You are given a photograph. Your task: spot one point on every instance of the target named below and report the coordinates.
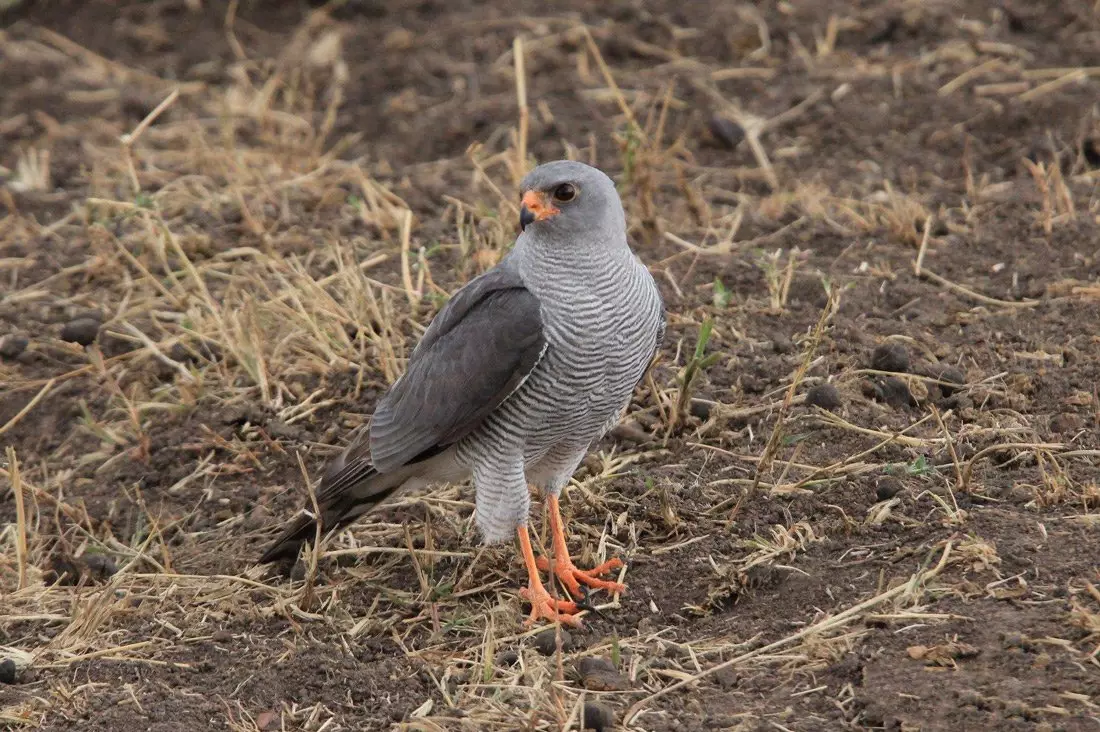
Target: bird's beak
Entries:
(536, 207)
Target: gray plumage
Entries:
(517, 376)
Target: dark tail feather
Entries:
(347, 500)
(290, 543)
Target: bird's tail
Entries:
(341, 502)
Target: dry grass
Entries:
(282, 330)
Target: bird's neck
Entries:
(564, 256)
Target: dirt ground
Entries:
(869, 500)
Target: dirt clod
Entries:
(599, 674)
(598, 716)
(887, 487)
(890, 356)
(951, 376)
(545, 642)
(12, 345)
(82, 331)
(728, 133)
(895, 392)
(825, 396)
(8, 671)
(1066, 423)
(507, 657)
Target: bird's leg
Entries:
(564, 568)
(542, 605)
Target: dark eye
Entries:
(565, 193)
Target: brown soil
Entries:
(244, 257)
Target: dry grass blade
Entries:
(774, 440)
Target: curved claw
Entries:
(545, 607)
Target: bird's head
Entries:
(567, 197)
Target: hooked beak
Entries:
(536, 207)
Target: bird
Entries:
(516, 378)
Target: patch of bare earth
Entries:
(859, 489)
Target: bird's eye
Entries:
(565, 193)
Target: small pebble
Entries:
(825, 396)
(890, 356)
(507, 657)
(727, 678)
(298, 571)
(728, 133)
(599, 674)
(100, 566)
(1066, 422)
(887, 487)
(546, 643)
(782, 343)
(895, 392)
(951, 375)
(82, 331)
(595, 664)
(598, 716)
(12, 345)
(63, 571)
(7, 671)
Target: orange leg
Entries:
(564, 568)
(542, 605)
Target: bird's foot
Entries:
(572, 577)
(544, 607)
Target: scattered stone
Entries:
(12, 345)
(598, 716)
(1066, 423)
(890, 356)
(887, 487)
(824, 395)
(895, 392)
(82, 331)
(8, 671)
(599, 674)
(727, 678)
(1091, 151)
(701, 409)
(62, 571)
(782, 343)
(279, 429)
(952, 375)
(507, 657)
(728, 133)
(99, 567)
(546, 642)
(257, 518)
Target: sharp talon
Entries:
(584, 603)
(544, 607)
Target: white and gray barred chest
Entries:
(601, 332)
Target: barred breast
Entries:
(602, 321)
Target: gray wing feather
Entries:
(476, 352)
